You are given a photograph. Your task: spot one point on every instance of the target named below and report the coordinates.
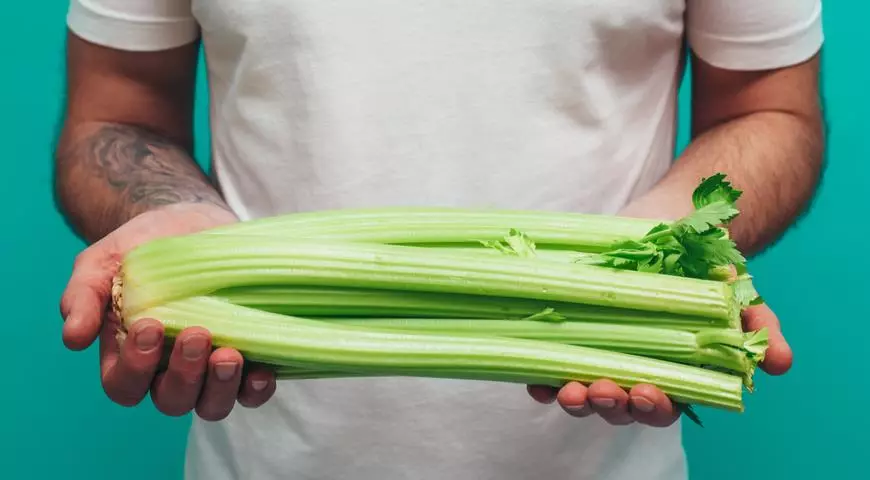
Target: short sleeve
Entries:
(754, 34)
(136, 25)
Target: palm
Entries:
(196, 378)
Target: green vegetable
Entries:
(427, 226)
(692, 246)
(178, 267)
(362, 302)
(319, 345)
(729, 349)
(515, 296)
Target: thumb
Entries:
(778, 359)
(86, 297)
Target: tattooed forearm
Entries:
(111, 173)
(145, 169)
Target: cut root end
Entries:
(118, 296)
(118, 306)
(121, 335)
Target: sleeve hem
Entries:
(142, 35)
(765, 52)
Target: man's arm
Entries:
(764, 130)
(126, 142)
(125, 176)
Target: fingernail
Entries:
(225, 370)
(604, 402)
(576, 409)
(147, 338)
(259, 385)
(643, 404)
(194, 347)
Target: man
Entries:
(533, 104)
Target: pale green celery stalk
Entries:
(317, 345)
(729, 349)
(359, 302)
(433, 226)
(168, 269)
(741, 361)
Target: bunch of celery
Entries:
(511, 296)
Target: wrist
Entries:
(202, 214)
(657, 206)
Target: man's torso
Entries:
(545, 104)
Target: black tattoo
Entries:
(119, 171)
(146, 169)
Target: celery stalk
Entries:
(359, 302)
(730, 349)
(317, 345)
(174, 268)
(433, 226)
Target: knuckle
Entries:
(169, 403)
(89, 258)
(82, 258)
(122, 396)
(135, 368)
(187, 378)
(65, 305)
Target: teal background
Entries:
(58, 424)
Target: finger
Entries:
(542, 393)
(176, 391)
(128, 368)
(85, 298)
(223, 380)
(778, 358)
(257, 388)
(609, 401)
(650, 406)
(573, 399)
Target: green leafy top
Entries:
(715, 189)
(695, 246)
(692, 246)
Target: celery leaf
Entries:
(714, 200)
(744, 291)
(515, 243)
(520, 243)
(689, 412)
(715, 189)
(690, 247)
(707, 217)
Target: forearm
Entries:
(108, 173)
(774, 158)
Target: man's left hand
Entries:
(647, 404)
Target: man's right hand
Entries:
(197, 378)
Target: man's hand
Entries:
(646, 404)
(197, 378)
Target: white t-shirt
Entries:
(542, 104)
